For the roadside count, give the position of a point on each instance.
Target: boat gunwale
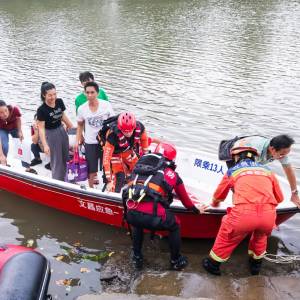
(102, 196)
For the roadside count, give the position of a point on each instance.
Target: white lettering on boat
(209, 166)
(96, 207)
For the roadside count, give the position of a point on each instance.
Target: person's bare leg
(91, 179)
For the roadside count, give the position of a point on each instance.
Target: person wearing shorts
(90, 117)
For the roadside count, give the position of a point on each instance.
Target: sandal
(33, 171)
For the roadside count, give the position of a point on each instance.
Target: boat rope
(281, 259)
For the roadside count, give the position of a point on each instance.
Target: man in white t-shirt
(90, 117)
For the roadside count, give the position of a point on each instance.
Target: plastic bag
(77, 169)
(22, 150)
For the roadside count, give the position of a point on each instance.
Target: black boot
(254, 265)
(138, 261)
(211, 266)
(180, 263)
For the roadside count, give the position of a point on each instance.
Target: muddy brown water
(194, 72)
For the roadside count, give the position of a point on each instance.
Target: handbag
(77, 169)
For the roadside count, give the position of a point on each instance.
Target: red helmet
(167, 150)
(126, 121)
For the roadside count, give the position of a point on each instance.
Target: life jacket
(148, 182)
(122, 143)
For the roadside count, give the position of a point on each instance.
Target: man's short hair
(86, 76)
(93, 84)
(281, 142)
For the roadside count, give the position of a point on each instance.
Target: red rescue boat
(201, 173)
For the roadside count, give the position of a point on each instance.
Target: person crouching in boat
(147, 200)
(120, 153)
(10, 124)
(256, 193)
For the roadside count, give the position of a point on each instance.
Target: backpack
(107, 124)
(101, 138)
(225, 147)
(147, 179)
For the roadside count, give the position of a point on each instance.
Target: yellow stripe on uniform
(250, 252)
(216, 257)
(247, 169)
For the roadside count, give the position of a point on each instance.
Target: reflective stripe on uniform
(217, 258)
(250, 252)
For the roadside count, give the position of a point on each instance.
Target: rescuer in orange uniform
(125, 140)
(256, 193)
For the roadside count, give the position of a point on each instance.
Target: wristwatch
(295, 192)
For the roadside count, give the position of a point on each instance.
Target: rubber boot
(254, 265)
(138, 261)
(180, 263)
(211, 266)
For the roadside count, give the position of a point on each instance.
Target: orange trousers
(123, 162)
(258, 220)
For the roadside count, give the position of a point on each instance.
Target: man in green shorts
(85, 77)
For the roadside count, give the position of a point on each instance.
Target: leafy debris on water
(59, 258)
(77, 244)
(68, 282)
(29, 243)
(78, 254)
(63, 258)
(84, 270)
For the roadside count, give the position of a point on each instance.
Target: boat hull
(108, 209)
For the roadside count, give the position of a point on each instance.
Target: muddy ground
(277, 281)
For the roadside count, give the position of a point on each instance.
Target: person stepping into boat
(147, 200)
(276, 148)
(90, 117)
(256, 193)
(124, 141)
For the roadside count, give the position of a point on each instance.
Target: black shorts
(92, 156)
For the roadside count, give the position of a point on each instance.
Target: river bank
(120, 280)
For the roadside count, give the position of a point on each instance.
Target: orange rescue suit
(121, 161)
(256, 193)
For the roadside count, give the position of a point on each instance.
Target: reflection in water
(194, 71)
(75, 246)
